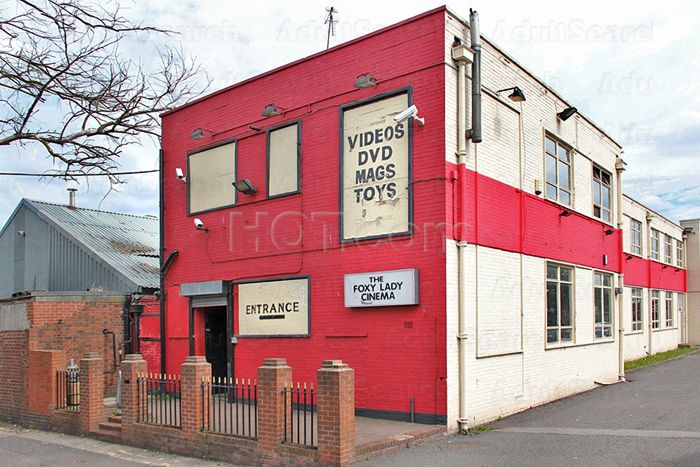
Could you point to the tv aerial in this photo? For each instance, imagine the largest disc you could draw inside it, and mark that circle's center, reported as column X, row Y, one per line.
column 331, row 22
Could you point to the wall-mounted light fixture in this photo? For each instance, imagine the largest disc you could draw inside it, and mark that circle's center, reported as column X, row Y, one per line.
column 665, row 266
column 565, row 213
column 255, row 128
column 678, row 269
column 365, row 81
column 538, row 188
column 21, row 233
column 244, row 186
column 688, row 230
column 271, row 110
column 180, row 175
column 608, row 231
column 567, row 113
column 411, row 112
column 516, row 96
column 618, row 290
column 199, row 225
column 198, row 133
column 605, row 260
column 629, row 257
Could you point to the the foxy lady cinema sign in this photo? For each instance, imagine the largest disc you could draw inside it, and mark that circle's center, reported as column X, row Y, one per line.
column 278, row 307
column 376, row 168
column 384, row 288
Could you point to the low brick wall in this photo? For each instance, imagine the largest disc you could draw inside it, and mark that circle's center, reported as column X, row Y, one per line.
column 13, row 384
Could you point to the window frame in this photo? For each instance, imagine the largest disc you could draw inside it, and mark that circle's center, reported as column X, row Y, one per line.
column 602, row 324
column 598, row 184
column 208, row 147
column 636, row 249
column 655, row 254
column 668, row 249
column 268, row 132
column 680, row 253
column 572, row 302
column 669, row 315
column 570, row 164
column 637, row 298
column 654, row 308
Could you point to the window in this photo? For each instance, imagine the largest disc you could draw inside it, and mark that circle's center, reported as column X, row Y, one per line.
column 558, row 171
column 637, row 310
column 654, row 244
column 635, row 237
column 669, row 309
column 680, row 253
column 560, row 284
column 283, row 156
column 210, row 173
column 603, row 305
column 655, row 304
column 601, row 194
column 668, row 249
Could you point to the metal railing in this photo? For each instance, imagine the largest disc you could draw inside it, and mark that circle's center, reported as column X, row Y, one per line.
column 300, row 415
column 159, row 399
column 68, row 389
column 230, row 407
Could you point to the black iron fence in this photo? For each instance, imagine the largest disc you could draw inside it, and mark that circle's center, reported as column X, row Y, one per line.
column 300, row 415
column 159, row 400
column 230, row 406
column 68, row 389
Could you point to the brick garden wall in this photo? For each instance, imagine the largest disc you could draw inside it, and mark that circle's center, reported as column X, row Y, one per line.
column 76, row 326
column 13, row 349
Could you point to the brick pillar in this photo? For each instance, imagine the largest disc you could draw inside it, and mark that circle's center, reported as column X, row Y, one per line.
column 92, row 392
column 194, row 370
column 42, row 387
column 272, row 377
column 336, row 413
column 132, row 366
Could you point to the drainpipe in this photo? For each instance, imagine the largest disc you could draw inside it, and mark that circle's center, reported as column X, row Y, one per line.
column 619, row 168
column 463, row 56
column 650, row 327
column 475, row 133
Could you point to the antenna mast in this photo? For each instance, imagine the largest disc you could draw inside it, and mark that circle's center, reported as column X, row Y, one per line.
column 331, row 22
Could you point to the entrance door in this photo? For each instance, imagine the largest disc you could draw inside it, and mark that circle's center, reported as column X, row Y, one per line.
column 215, row 340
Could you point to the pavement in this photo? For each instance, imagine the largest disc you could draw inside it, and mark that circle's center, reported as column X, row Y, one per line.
column 20, row 447
column 653, row 420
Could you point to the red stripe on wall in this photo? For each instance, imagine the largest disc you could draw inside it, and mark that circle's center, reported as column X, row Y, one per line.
column 641, row 272
column 501, row 216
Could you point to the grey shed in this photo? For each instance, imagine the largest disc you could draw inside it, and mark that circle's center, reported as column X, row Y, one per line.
column 54, row 247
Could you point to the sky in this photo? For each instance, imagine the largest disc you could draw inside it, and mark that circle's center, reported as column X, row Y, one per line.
column 633, row 71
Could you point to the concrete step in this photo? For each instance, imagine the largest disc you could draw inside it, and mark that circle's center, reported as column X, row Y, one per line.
column 108, row 436
column 109, row 426
column 115, row 419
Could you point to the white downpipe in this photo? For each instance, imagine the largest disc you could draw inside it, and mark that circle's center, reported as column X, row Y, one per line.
column 619, row 168
column 461, row 247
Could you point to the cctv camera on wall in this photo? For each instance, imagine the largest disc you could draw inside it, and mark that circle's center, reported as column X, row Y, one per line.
column 412, row 111
column 199, row 224
column 180, row 174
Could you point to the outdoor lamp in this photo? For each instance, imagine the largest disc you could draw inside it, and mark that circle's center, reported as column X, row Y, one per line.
column 516, row 96
column 244, row 186
column 567, row 113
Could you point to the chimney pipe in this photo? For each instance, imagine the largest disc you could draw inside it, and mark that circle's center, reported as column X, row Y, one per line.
column 71, row 198
column 475, row 133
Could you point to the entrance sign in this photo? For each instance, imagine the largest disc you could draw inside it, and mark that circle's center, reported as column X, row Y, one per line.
column 278, row 307
column 375, row 168
column 386, row 288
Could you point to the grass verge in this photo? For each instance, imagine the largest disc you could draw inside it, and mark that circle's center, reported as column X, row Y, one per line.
column 659, row 357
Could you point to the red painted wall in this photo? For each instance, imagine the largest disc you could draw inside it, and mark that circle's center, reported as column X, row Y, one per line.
column 501, row 216
column 642, row 272
column 397, row 352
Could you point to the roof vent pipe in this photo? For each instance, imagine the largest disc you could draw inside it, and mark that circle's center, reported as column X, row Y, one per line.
column 475, row 133
column 71, row 198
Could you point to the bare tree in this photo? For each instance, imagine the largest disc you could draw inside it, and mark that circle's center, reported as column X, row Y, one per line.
column 65, row 84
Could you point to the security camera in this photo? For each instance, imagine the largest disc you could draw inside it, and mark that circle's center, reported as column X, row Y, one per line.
column 199, row 224
column 180, row 174
column 412, row 111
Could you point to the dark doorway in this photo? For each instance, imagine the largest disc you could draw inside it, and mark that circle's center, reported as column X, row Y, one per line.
column 215, row 340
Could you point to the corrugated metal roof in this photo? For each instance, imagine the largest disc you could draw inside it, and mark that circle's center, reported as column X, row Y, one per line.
column 126, row 242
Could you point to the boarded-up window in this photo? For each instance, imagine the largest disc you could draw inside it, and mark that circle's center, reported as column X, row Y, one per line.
column 283, row 160
column 210, row 174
